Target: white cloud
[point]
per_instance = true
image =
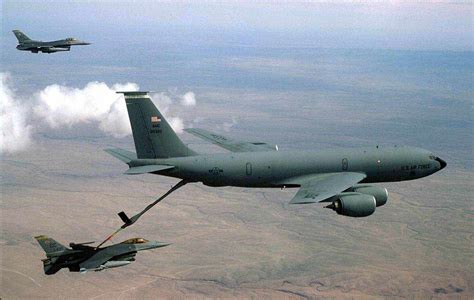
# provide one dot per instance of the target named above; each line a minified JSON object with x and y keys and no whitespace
{"x":177,"y":124}
{"x":188,"y":99}
{"x":116,"y":122}
{"x":227,"y":126}
{"x":162,"y":101}
{"x":166,"y":104}
{"x":65,"y":106}
{"x":59,"y":106}
{"x":15,"y":132}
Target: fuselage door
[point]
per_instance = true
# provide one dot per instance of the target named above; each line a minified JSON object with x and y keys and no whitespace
{"x":248,"y":169}
{"x":345,"y":164}
{"x":258,"y":172}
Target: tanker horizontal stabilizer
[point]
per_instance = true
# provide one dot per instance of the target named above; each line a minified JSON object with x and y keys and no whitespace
{"x":124,"y":155}
{"x":147,"y":169}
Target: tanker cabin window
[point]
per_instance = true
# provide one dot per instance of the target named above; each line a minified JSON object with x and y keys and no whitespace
{"x":345,"y":164}
{"x":248,"y":169}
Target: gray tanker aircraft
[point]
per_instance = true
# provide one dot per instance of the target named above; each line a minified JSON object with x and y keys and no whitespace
{"x":339,"y":177}
{"x":83,"y":258}
{"x":27,"y":44}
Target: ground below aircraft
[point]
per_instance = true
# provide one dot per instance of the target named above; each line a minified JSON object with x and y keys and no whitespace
{"x":340,"y":177}
{"x":27,"y":44}
{"x":83,"y":258}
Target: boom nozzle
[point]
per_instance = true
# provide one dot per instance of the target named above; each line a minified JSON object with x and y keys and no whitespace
{"x":125,"y":219}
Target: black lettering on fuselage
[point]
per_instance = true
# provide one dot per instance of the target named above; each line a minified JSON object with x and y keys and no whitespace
{"x":426,"y":166}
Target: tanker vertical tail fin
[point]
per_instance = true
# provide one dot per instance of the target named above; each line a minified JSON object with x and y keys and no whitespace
{"x":153,"y":136}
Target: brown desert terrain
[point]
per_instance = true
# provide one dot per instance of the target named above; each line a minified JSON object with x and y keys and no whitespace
{"x":228,"y":242}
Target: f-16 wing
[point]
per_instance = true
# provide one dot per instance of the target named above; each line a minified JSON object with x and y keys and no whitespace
{"x":320,"y":187}
{"x":230,"y":144}
{"x":100,"y":258}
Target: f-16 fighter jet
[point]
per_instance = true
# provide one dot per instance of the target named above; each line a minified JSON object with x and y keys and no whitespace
{"x":341,"y":177}
{"x":27,"y":44}
{"x":83,"y":258}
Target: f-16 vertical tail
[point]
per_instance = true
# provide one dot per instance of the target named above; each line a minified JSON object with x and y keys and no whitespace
{"x":49,"y":245}
{"x":21,"y":37}
{"x":153,"y":136}
{"x":53,"y":250}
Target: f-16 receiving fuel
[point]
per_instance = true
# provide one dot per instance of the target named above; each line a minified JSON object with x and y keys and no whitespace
{"x":27,"y":44}
{"x":340,"y":177}
{"x":83,"y":258}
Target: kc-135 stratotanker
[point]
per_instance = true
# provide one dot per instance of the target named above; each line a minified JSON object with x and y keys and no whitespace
{"x":340,"y":177}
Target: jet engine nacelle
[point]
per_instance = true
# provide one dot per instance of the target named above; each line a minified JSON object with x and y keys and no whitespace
{"x":354,"y":204}
{"x":380,"y":194}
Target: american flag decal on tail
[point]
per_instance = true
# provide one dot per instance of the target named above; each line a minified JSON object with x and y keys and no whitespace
{"x":155,"y":121}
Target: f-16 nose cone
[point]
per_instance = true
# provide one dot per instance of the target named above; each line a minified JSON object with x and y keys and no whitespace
{"x":79,"y":42}
{"x":442,"y":163}
{"x":155,"y":244}
{"x":163,"y":244}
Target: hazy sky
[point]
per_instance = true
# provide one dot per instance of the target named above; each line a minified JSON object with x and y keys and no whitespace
{"x":417,"y":25}
{"x":245,"y":57}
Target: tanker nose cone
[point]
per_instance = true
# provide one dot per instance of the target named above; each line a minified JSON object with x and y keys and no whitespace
{"x":442,"y":163}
